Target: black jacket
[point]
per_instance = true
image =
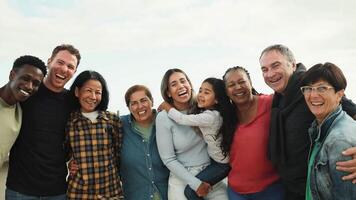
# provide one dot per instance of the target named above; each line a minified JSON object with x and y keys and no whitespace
{"x":289,"y":142}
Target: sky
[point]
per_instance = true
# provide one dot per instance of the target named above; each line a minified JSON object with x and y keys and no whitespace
{"x":135,"y":42}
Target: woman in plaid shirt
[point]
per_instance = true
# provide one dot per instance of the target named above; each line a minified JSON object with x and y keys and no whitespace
{"x":93,"y":140}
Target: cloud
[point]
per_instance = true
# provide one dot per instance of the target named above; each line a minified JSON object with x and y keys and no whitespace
{"x":132,"y":41}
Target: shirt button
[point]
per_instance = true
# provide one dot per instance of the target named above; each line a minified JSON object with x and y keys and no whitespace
{"x":143,"y":140}
{"x":148,"y":154}
{"x":151,"y":196}
{"x":150,"y":168}
{"x":153,"y":182}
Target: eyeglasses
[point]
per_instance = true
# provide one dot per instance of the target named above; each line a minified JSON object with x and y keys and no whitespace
{"x":319,"y":89}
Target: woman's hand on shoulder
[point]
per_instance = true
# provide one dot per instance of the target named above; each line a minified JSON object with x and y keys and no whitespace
{"x":348,"y":166}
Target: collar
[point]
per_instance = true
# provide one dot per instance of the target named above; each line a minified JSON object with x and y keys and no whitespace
{"x":292,"y":92}
{"x":294,"y":82}
{"x":4,"y":104}
{"x":77,"y":115}
{"x":319,"y":132}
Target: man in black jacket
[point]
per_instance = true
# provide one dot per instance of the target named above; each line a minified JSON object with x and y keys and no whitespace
{"x":289,"y":142}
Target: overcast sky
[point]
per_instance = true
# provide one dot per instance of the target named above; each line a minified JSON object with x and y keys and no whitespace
{"x":134,"y":42}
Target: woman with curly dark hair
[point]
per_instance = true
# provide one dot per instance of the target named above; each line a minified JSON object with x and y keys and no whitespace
{"x":252,"y":175}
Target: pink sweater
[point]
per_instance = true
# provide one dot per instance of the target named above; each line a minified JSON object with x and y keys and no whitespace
{"x":251,"y":170}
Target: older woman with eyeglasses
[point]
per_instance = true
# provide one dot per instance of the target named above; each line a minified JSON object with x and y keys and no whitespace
{"x":331,"y":132}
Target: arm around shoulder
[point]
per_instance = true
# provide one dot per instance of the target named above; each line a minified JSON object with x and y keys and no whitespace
{"x":166,"y":150}
{"x":205,"y":118}
{"x":341,"y":189}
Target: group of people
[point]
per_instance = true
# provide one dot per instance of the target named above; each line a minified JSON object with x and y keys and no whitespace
{"x":298,"y":143}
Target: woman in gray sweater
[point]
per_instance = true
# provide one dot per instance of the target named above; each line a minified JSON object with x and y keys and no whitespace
{"x":182,"y":150}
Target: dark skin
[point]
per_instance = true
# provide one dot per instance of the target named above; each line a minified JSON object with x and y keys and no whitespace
{"x":27,"y":78}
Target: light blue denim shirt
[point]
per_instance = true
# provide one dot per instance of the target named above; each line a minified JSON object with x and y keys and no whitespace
{"x":142,"y":170}
{"x":336,"y":133}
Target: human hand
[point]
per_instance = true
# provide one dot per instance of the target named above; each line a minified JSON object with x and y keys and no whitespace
{"x":203,"y":189}
{"x":164,"y":106}
{"x":348,"y":166}
{"x":73,"y":167}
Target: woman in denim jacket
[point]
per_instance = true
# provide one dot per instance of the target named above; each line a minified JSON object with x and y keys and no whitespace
{"x":331,"y":132}
{"x":143,"y":174}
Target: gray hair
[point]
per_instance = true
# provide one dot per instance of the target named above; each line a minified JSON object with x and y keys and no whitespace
{"x":285,"y":51}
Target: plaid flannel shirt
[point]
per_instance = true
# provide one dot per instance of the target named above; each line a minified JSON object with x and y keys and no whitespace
{"x":95,"y":147}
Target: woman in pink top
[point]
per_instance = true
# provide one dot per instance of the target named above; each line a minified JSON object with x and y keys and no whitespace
{"x":252,"y":175}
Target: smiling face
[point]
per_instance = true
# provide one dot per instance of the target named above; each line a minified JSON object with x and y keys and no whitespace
{"x":238,"y":87}
{"x":24,"y":81}
{"x":180,"y":90}
{"x":206,"y":96}
{"x":321,"y":104}
{"x":140,"y":106}
{"x":276,"y":70}
{"x":61,"y":69}
{"x":89,"y":95}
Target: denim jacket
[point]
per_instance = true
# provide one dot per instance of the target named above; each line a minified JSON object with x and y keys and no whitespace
{"x":336,"y":133}
{"x":142,"y":170}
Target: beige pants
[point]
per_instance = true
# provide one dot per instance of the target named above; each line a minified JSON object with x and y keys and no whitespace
{"x":176,"y":187}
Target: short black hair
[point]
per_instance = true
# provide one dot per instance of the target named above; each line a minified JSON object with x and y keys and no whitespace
{"x":80,"y":81}
{"x":282,"y":49}
{"x":30,"y":60}
{"x":328,"y":72}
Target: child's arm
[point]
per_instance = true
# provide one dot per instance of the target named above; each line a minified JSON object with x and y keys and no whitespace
{"x":166,"y":150}
{"x":206,"y":118}
{"x":165,"y":106}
